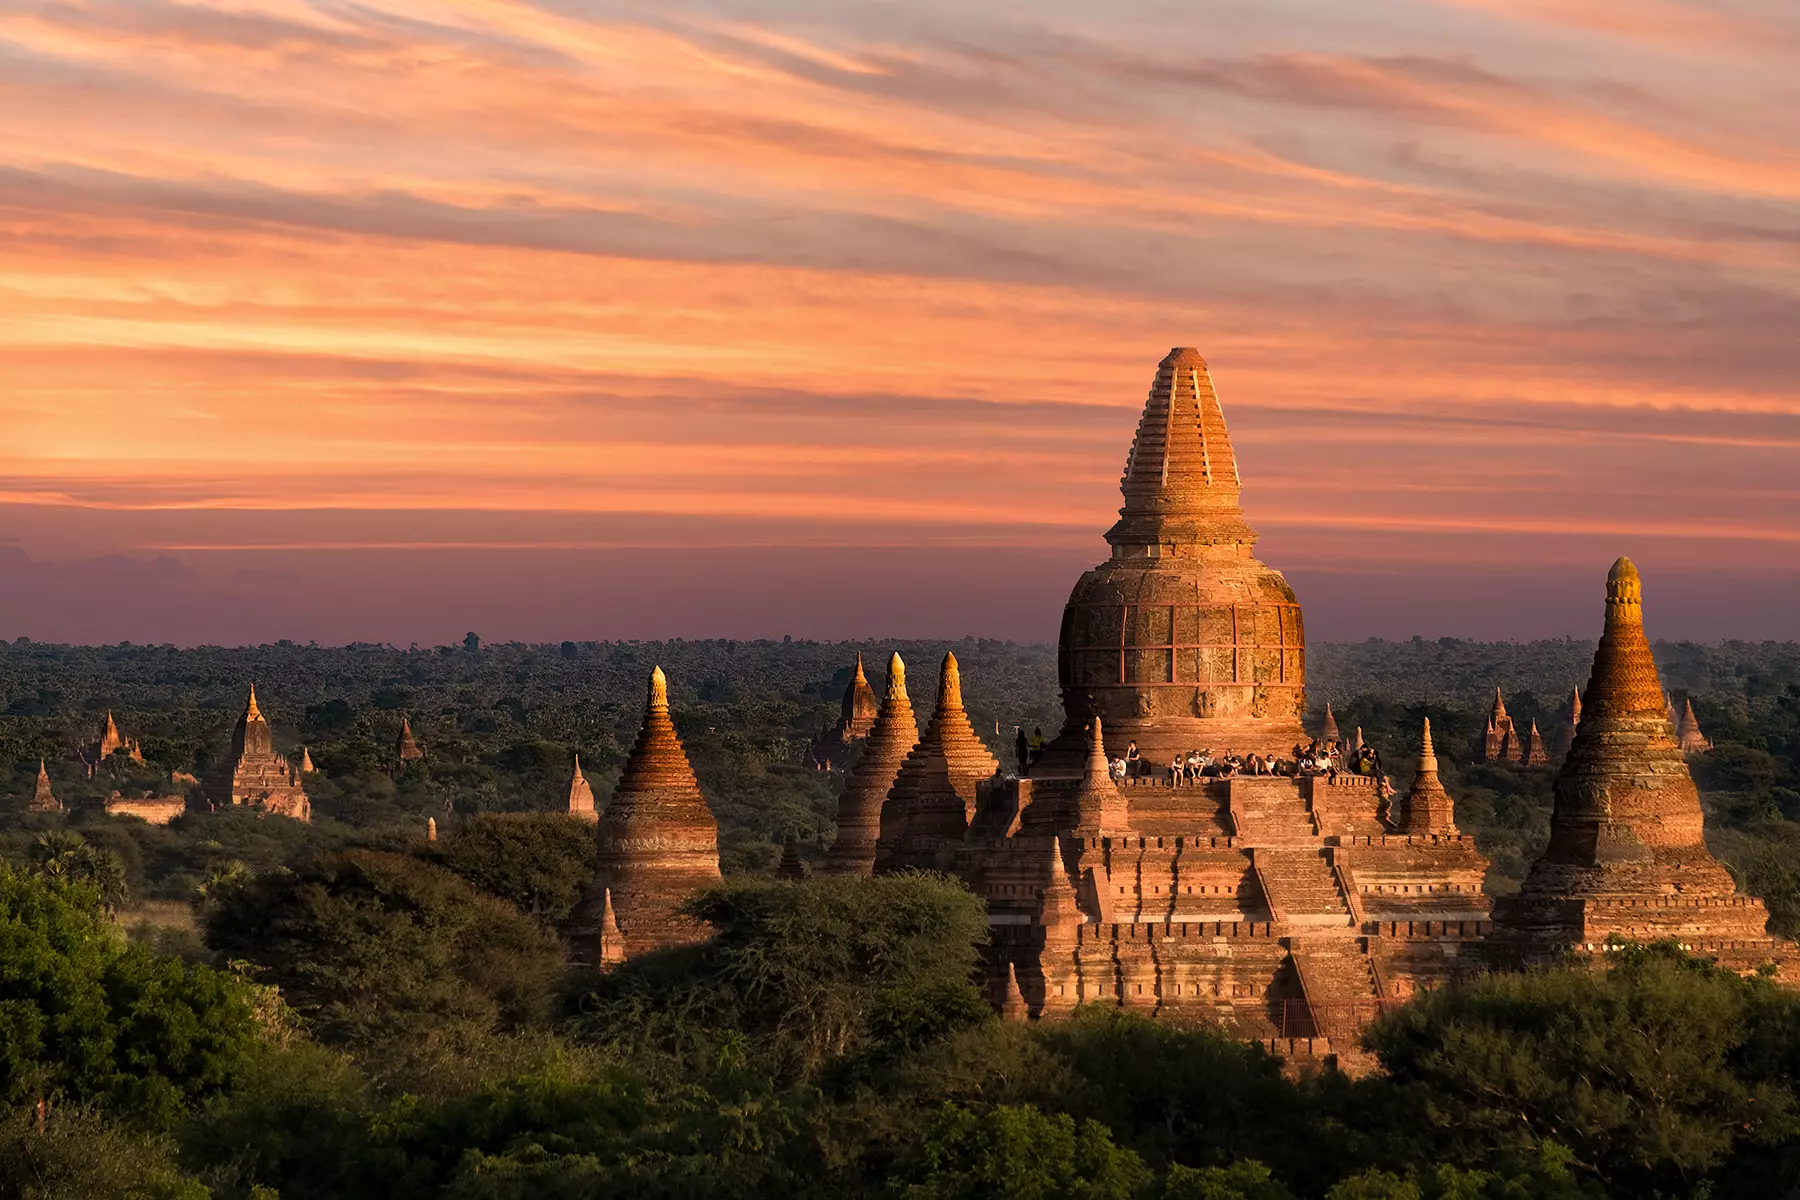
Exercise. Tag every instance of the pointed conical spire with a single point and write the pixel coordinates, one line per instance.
(42, 798)
(790, 866)
(933, 796)
(110, 739)
(612, 942)
(405, 748)
(1533, 754)
(1429, 809)
(659, 842)
(891, 738)
(252, 712)
(1100, 807)
(859, 708)
(1058, 906)
(1687, 732)
(306, 762)
(1330, 732)
(1012, 1002)
(1499, 714)
(581, 796)
(1356, 741)
(1181, 483)
(431, 829)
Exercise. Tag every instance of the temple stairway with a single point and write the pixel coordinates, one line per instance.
(1339, 986)
(1301, 888)
(1271, 811)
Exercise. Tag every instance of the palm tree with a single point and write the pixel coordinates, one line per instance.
(53, 854)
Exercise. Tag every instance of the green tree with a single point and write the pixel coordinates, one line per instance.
(1015, 1152)
(1651, 1069)
(369, 945)
(541, 862)
(84, 1019)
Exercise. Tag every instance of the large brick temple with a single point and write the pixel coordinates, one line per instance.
(1290, 908)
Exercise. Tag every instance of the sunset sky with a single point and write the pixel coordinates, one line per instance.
(390, 319)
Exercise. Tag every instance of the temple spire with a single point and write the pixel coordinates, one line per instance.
(1181, 483)
(1099, 805)
(1012, 1002)
(1330, 732)
(42, 798)
(581, 795)
(1429, 810)
(253, 713)
(891, 738)
(933, 797)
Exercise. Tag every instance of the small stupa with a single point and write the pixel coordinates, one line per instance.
(659, 843)
(790, 866)
(933, 797)
(306, 762)
(42, 798)
(1627, 859)
(1687, 732)
(1532, 752)
(1100, 807)
(856, 717)
(1429, 809)
(1330, 732)
(405, 748)
(892, 736)
(111, 742)
(581, 796)
(1568, 723)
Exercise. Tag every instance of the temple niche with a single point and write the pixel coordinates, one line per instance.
(254, 774)
(1626, 859)
(659, 844)
(1285, 908)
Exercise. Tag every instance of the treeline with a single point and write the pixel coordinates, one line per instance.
(399, 1025)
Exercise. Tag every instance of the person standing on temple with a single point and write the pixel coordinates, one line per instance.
(1037, 742)
(1022, 748)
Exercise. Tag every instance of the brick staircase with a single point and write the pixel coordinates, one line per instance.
(1300, 887)
(1339, 987)
(1271, 811)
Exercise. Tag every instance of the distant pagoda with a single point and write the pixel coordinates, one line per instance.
(891, 738)
(659, 844)
(42, 798)
(405, 748)
(1687, 732)
(856, 717)
(254, 774)
(933, 797)
(1627, 859)
(581, 796)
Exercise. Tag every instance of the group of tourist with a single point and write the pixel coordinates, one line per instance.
(1316, 758)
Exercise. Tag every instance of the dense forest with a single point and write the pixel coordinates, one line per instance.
(236, 1005)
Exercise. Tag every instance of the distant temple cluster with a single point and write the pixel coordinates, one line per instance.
(1290, 908)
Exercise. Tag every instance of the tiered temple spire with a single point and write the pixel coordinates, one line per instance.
(1330, 732)
(891, 738)
(659, 842)
(933, 796)
(1568, 723)
(405, 748)
(581, 796)
(42, 798)
(254, 774)
(1626, 858)
(1181, 476)
(1687, 732)
(1429, 809)
(1100, 807)
(1532, 752)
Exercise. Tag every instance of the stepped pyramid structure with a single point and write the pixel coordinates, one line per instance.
(856, 717)
(1181, 640)
(581, 796)
(1500, 741)
(42, 798)
(1626, 859)
(659, 844)
(1687, 732)
(927, 812)
(405, 748)
(254, 774)
(891, 738)
(1285, 908)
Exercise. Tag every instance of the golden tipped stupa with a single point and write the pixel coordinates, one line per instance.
(254, 774)
(933, 797)
(1429, 809)
(659, 842)
(891, 738)
(405, 748)
(1181, 639)
(581, 796)
(1687, 732)
(860, 707)
(1626, 858)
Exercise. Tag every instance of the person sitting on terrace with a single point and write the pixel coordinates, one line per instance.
(1116, 768)
(1133, 761)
